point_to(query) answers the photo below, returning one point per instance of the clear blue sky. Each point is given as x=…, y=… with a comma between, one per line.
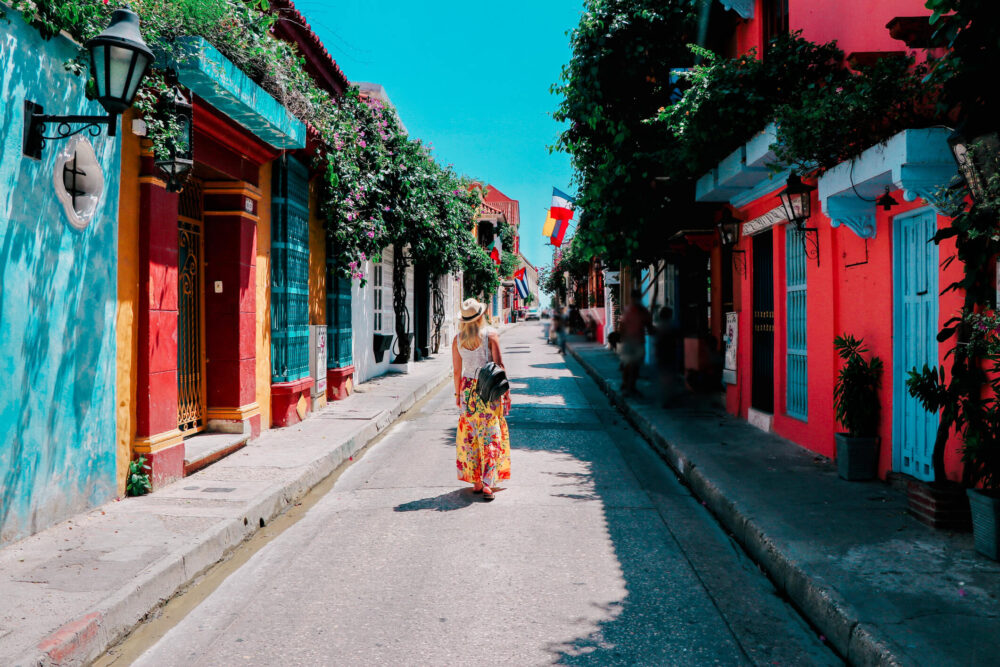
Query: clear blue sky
x=472, y=79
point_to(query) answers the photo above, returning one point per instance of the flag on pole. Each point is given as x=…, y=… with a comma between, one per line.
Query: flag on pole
x=497, y=252
x=549, y=225
x=562, y=205
x=521, y=282
x=559, y=232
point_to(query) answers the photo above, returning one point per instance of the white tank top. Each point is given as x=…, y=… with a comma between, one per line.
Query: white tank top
x=473, y=360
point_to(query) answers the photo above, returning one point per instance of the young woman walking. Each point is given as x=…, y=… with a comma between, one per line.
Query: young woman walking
x=483, y=442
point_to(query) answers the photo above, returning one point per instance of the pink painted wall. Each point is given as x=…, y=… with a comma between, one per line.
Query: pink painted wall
x=816, y=432
x=857, y=25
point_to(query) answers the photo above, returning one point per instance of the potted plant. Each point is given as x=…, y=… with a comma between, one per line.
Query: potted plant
x=981, y=449
x=982, y=460
x=855, y=401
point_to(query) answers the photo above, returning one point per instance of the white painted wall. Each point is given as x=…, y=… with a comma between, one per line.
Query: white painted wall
x=363, y=320
x=451, y=288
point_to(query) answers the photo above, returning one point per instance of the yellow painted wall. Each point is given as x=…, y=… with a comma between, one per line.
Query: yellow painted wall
x=317, y=259
x=127, y=325
x=264, y=298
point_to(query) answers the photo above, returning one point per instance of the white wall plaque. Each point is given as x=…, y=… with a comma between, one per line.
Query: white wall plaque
x=732, y=341
x=762, y=223
x=78, y=181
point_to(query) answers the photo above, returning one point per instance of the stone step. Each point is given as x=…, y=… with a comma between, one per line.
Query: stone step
x=207, y=448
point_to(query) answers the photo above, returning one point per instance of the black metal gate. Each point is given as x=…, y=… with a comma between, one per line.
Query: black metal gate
x=762, y=380
x=190, y=311
x=422, y=306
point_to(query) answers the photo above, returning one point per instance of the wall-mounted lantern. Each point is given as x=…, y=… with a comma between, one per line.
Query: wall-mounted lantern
x=977, y=155
x=729, y=229
x=796, y=199
x=729, y=235
x=179, y=160
x=886, y=201
x=119, y=59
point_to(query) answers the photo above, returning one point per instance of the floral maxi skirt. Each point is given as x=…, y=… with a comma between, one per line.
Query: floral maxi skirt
x=483, y=442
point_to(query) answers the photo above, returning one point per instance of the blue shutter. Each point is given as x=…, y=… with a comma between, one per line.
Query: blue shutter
x=797, y=401
x=339, y=339
x=915, y=268
x=290, y=271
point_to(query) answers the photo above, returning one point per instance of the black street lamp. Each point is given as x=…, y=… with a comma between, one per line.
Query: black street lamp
x=976, y=154
x=119, y=59
x=179, y=160
x=729, y=228
x=796, y=199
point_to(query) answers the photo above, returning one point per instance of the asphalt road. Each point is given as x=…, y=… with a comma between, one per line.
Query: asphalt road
x=593, y=554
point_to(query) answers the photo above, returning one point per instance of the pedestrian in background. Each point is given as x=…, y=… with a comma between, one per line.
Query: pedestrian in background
x=635, y=323
x=563, y=330
x=483, y=441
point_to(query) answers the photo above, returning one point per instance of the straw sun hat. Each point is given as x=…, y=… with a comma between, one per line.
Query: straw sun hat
x=472, y=310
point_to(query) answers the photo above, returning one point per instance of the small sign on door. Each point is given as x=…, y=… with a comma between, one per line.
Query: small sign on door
x=731, y=336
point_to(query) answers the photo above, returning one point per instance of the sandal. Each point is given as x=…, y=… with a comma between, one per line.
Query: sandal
x=477, y=490
x=487, y=496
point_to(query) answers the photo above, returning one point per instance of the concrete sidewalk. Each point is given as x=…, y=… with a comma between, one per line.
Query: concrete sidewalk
x=881, y=587
x=71, y=591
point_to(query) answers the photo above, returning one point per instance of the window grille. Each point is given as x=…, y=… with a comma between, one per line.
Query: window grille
x=290, y=272
x=378, y=298
x=795, y=280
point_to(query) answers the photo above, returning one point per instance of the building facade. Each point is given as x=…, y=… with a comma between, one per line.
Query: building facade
x=778, y=295
x=58, y=262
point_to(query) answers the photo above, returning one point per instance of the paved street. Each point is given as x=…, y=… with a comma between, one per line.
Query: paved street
x=592, y=554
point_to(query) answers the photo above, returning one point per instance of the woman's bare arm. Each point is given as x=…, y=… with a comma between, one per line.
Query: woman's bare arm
x=456, y=363
x=494, y=342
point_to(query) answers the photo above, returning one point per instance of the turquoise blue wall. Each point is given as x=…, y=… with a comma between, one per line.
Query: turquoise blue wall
x=57, y=305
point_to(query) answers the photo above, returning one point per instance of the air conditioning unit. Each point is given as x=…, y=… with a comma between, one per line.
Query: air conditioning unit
x=317, y=359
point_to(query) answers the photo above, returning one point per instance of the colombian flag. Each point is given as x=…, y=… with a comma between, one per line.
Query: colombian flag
x=549, y=226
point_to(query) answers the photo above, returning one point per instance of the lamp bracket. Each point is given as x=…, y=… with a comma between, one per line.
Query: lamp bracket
x=740, y=262
x=810, y=242
x=35, y=122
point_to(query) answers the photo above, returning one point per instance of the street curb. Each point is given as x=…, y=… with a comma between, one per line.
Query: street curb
x=88, y=637
x=859, y=643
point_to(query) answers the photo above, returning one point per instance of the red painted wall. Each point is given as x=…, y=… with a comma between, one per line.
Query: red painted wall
x=156, y=394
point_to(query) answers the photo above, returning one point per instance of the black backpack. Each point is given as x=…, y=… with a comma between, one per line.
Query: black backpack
x=492, y=384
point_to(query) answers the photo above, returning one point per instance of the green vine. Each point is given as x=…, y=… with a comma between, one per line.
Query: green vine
x=379, y=187
x=619, y=74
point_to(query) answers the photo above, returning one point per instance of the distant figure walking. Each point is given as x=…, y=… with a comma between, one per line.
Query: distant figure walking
x=483, y=441
x=634, y=325
x=560, y=325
